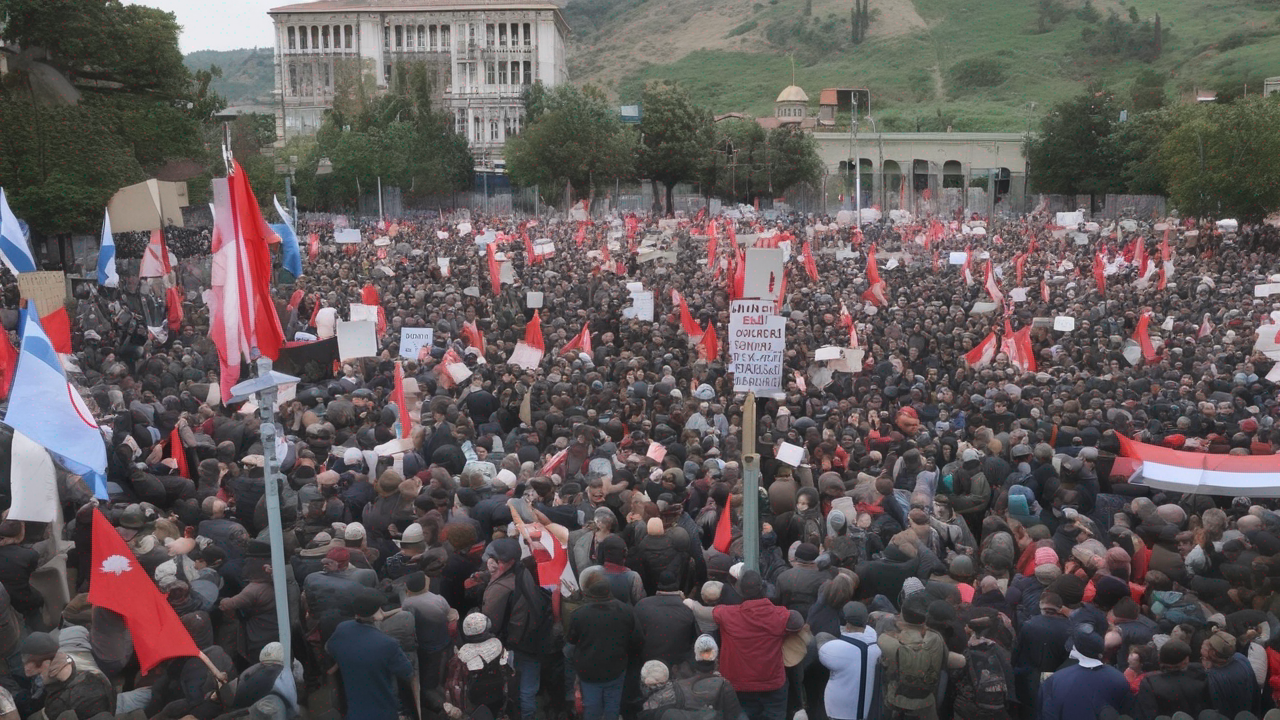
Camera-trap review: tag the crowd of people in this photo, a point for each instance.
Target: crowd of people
(958, 540)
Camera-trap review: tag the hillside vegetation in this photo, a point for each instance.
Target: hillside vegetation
(929, 64)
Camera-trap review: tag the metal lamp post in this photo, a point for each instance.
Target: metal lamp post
(264, 387)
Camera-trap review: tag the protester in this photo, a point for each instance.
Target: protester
(549, 495)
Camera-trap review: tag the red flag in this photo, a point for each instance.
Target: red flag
(315, 310)
(1139, 252)
(1143, 336)
(1165, 255)
(554, 462)
(810, 265)
(397, 395)
(155, 260)
(739, 275)
(1164, 277)
(966, 270)
(471, 334)
(296, 299)
(711, 245)
(581, 237)
(8, 363)
(1044, 290)
(179, 453)
(710, 343)
(242, 313)
(369, 296)
(314, 250)
(57, 325)
(687, 323)
(1017, 266)
(173, 299)
(495, 281)
(733, 234)
(1099, 275)
(876, 292)
(581, 341)
(724, 530)
(983, 353)
(119, 584)
(782, 293)
(533, 333)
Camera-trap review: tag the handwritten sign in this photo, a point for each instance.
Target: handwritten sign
(412, 340)
(47, 289)
(757, 343)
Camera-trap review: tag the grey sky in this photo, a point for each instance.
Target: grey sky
(220, 24)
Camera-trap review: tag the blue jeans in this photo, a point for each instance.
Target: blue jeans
(601, 701)
(770, 705)
(529, 667)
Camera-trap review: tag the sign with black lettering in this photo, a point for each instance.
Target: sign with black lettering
(757, 343)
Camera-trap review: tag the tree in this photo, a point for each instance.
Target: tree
(675, 136)
(792, 159)
(861, 18)
(1148, 91)
(1071, 155)
(1135, 147)
(746, 162)
(575, 138)
(1223, 161)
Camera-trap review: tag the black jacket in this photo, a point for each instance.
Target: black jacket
(604, 634)
(1171, 691)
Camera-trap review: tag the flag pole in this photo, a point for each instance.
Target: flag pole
(750, 487)
(271, 474)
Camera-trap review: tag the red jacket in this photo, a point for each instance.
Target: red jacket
(751, 637)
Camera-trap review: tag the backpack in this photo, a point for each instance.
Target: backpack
(488, 686)
(917, 669)
(529, 630)
(1177, 608)
(688, 705)
(989, 673)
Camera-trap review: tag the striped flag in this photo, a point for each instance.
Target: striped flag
(107, 275)
(15, 252)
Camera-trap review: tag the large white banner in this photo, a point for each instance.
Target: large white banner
(757, 343)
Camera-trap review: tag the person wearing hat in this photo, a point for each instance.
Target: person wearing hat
(1178, 686)
(968, 490)
(480, 655)
(853, 661)
(1040, 647)
(521, 616)
(255, 604)
(914, 658)
(431, 621)
(66, 687)
(604, 633)
(1233, 688)
(798, 585)
(369, 662)
(227, 534)
(17, 564)
(1081, 691)
(668, 625)
(752, 634)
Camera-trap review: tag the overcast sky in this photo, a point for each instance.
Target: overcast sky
(221, 25)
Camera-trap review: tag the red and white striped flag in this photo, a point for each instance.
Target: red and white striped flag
(966, 270)
(1206, 327)
(1044, 290)
(1202, 473)
(581, 341)
(984, 352)
(242, 314)
(993, 287)
(397, 394)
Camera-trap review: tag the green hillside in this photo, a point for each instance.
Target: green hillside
(248, 76)
(929, 64)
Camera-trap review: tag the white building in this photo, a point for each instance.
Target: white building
(483, 53)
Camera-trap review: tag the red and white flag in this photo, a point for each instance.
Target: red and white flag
(810, 265)
(984, 352)
(155, 260)
(529, 352)
(472, 336)
(554, 462)
(580, 342)
(877, 293)
(119, 583)
(710, 343)
(1099, 274)
(993, 287)
(1017, 346)
(495, 274)
(242, 314)
(1206, 327)
(397, 394)
(1202, 473)
(1044, 290)
(1018, 262)
(966, 270)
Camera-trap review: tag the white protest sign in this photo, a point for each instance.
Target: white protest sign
(412, 340)
(957, 258)
(792, 455)
(464, 228)
(35, 498)
(893, 263)
(830, 352)
(1018, 294)
(1070, 219)
(443, 262)
(635, 287)
(443, 235)
(763, 275)
(982, 307)
(641, 306)
(757, 343)
(533, 299)
(357, 340)
(364, 312)
(850, 360)
(1266, 289)
(346, 235)
(1064, 323)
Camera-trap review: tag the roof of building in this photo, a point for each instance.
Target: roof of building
(792, 93)
(828, 97)
(408, 5)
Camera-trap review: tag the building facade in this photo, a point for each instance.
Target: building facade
(480, 54)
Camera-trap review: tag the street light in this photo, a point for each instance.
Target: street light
(264, 387)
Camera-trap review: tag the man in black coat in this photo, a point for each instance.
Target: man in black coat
(1177, 687)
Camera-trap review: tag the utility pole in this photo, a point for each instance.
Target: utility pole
(750, 487)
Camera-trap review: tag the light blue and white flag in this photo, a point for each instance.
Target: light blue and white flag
(14, 249)
(290, 255)
(107, 275)
(48, 410)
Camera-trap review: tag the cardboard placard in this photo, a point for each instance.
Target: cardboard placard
(346, 235)
(412, 340)
(533, 299)
(757, 344)
(762, 278)
(1018, 294)
(957, 258)
(641, 306)
(364, 312)
(1064, 323)
(1263, 290)
(830, 352)
(357, 340)
(656, 452)
(464, 228)
(46, 288)
(443, 262)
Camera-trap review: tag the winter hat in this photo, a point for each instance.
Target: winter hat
(1117, 560)
(705, 649)
(1045, 556)
(654, 672)
(1070, 588)
(807, 552)
(475, 624)
(1047, 573)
